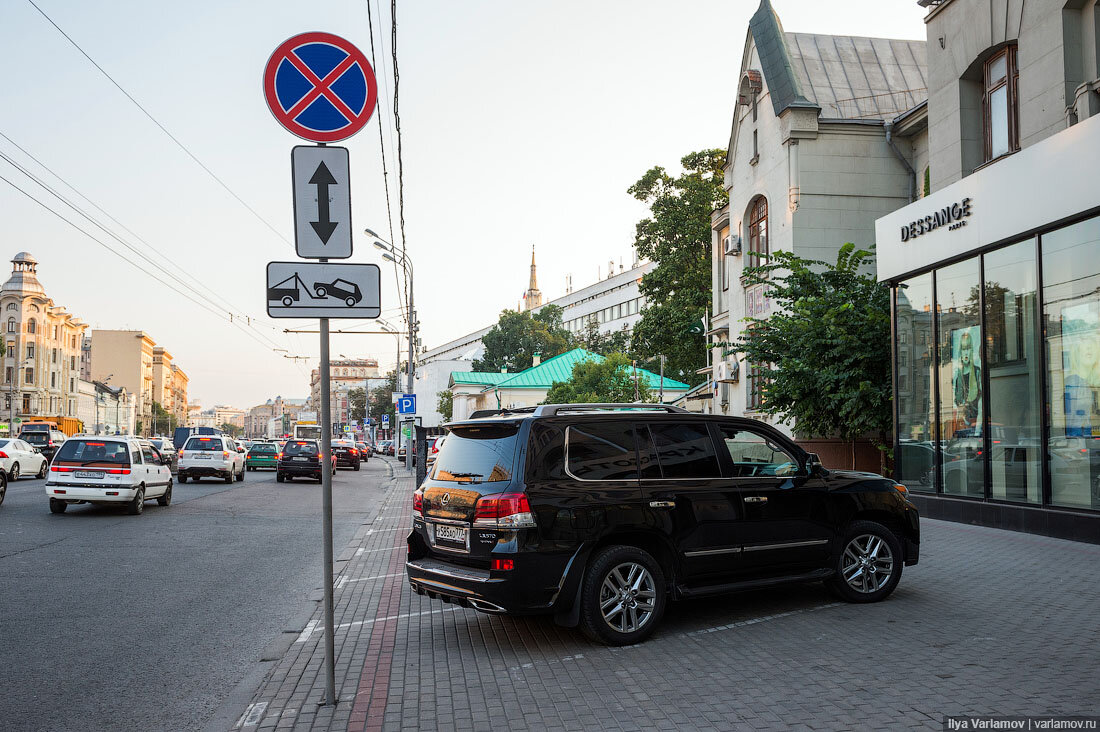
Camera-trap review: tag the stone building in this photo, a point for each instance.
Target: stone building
(42, 350)
(344, 375)
(125, 358)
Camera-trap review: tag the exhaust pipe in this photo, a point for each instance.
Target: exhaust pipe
(486, 606)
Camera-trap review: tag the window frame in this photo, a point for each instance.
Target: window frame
(1010, 82)
(758, 218)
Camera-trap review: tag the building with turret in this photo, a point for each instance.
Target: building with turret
(533, 297)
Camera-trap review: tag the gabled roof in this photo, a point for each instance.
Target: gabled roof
(560, 368)
(846, 77)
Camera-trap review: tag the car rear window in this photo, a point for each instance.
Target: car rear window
(600, 451)
(203, 443)
(481, 454)
(300, 448)
(93, 451)
(36, 438)
(267, 449)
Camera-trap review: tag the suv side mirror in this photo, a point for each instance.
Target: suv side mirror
(814, 466)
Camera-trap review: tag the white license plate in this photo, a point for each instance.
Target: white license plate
(88, 474)
(456, 534)
(301, 459)
(202, 457)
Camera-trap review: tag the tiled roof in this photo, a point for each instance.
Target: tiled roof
(560, 368)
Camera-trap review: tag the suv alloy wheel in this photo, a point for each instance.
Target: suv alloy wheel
(868, 566)
(622, 596)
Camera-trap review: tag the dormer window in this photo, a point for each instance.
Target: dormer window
(1000, 105)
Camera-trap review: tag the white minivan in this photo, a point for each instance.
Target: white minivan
(118, 469)
(210, 456)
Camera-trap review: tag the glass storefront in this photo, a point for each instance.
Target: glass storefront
(998, 363)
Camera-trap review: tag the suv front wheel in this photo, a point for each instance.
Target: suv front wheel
(868, 566)
(622, 596)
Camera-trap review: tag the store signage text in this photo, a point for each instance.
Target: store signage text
(953, 217)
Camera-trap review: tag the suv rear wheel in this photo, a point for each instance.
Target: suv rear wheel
(869, 564)
(622, 596)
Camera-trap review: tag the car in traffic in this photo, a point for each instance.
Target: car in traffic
(301, 459)
(602, 514)
(434, 443)
(167, 450)
(364, 451)
(346, 454)
(3, 486)
(46, 440)
(262, 455)
(210, 456)
(385, 447)
(118, 470)
(21, 458)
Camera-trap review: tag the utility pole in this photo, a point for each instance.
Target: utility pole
(661, 398)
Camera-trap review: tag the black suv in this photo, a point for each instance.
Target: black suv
(300, 459)
(346, 454)
(600, 514)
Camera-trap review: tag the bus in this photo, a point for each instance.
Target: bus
(307, 431)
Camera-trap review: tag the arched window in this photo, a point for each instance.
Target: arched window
(13, 326)
(758, 230)
(12, 306)
(32, 326)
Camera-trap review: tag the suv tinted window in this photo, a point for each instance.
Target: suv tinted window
(754, 456)
(93, 451)
(298, 448)
(36, 438)
(685, 450)
(481, 454)
(204, 443)
(599, 451)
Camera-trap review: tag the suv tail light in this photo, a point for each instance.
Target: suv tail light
(504, 511)
(418, 503)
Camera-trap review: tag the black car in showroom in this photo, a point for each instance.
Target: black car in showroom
(601, 514)
(301, 459)
(346, 454)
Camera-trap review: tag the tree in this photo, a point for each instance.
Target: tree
(380, 400)
(518, 336)
(677, 238)
(609, 380)
(445, 403)
(825, 350)
(591, 339)
(357, 399)
(162, 418)
(230, 429)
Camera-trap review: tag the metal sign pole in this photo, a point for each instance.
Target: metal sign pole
(326, 511)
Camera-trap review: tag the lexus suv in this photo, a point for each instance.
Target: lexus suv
(602, 514)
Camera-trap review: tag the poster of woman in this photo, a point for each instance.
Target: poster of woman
(966, 379)
(1081, 368)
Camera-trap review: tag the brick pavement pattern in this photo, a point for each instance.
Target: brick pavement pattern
(990, 622)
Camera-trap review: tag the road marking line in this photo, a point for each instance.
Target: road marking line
(312, 627)
(307, 631)
(365, 579)
(251, 716)
(379, 531)
(361, 550)
(754, 621)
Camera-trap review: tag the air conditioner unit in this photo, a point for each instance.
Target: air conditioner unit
(727, 372)
(731, 245)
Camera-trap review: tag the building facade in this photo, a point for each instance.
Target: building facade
(996, 274)
(344, 375)
(105, 410)
(125, 358)
(814, 159)
(169, 385)
(42, 351)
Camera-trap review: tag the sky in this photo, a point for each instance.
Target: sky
(522, 124)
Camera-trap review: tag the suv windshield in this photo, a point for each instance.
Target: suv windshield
(204, 443)
(85, 452)
(299, 448)
(481, 454)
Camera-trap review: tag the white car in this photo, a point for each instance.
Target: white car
(118, 469)
(210, 456)
(20, 458)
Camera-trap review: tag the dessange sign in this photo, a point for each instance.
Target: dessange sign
(953, 217)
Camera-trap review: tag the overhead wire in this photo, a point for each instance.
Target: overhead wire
(397, 128)
(162, 128)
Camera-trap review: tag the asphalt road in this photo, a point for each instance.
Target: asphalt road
(110, 621)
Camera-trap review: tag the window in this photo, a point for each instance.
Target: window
(53, 356)
(599, 451)
(1071, 297)
(915, 455)
(7, 375)
(30, 350)
(757, 382)
(147, 453)
(53, 380)
(32, 326)
(55, 332)
(12, 306)
(13, 326)
(755, 148)
(72, 362)
(758, 231)
(482, 454)
(685, 451)
(1000, 109)
(28, 376)
(754, 456)
(27, 403)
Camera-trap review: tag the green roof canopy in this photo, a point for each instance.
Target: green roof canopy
(560, 368)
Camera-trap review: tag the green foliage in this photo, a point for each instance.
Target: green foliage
(927, 180)
(677, 238)
(611, 380)
(444, 403)
(230, 429)
(518, 336)
(164, 422)
(381, 401)
(827, 343)
(604, 344)
(357, 398)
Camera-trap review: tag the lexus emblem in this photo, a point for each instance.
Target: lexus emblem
(443, 501)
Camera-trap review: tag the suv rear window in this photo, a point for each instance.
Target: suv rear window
(35, 438)
(93, 451)
(599, 451)
(481, 454)
(204, 443)
(300, 448)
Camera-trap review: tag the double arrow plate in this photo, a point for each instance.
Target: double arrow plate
(322, 202)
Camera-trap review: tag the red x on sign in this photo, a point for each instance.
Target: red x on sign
(320, 87)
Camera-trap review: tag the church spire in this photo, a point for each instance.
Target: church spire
(532, 298)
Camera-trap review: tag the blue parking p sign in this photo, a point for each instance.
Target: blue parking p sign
(385, 420)
(406, 404)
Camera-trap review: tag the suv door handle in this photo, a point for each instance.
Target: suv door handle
(756, 499)
(662, 504)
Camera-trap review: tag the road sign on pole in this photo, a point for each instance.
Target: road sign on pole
(322, 201)
(323, 290)
(386, 421)
(320, 87)
(406, 404)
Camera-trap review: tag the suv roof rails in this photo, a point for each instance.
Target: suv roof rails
(549, 410)
(480, 413)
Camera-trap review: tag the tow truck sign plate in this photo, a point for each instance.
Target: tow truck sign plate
(323, 290)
